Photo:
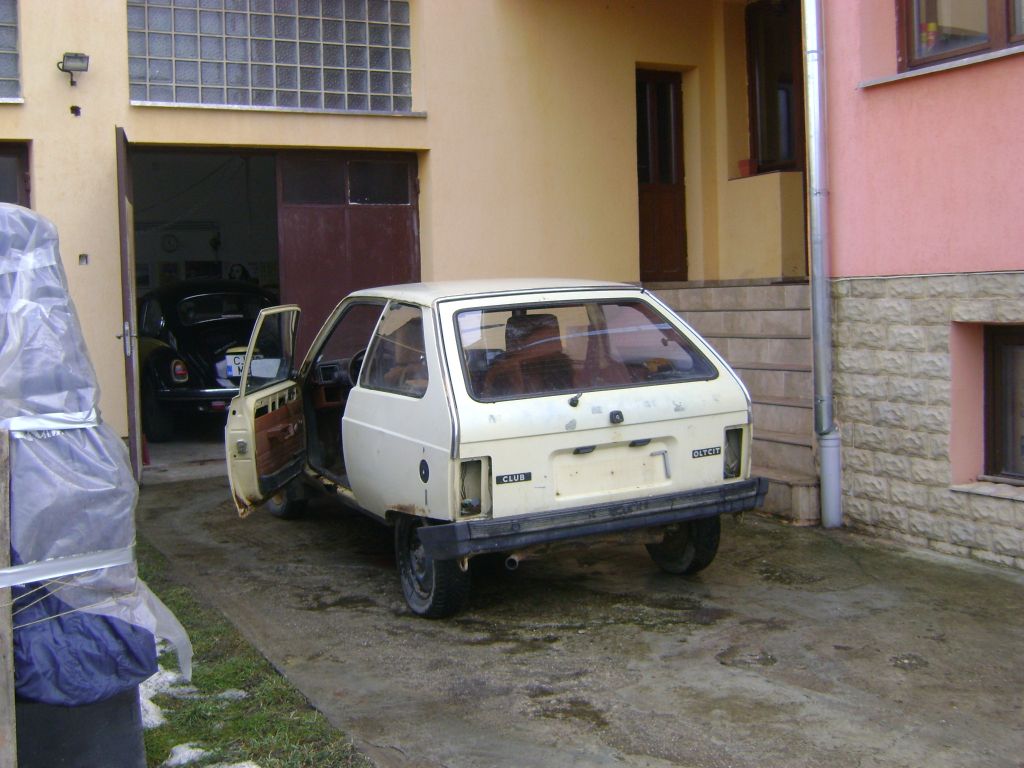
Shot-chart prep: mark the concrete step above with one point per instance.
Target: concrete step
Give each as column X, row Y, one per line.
column 776, row 380
column 783, row 414
column 718, row 296
column 792, row 496
column 750, row 322
column 791, row 350
column 784, row 450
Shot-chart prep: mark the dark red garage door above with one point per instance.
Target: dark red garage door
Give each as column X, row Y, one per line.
column 345, row 221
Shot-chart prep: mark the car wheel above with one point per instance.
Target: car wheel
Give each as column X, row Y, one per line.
column 286, row 504
column 433, row 588
column 689, row 548
column 157, row 421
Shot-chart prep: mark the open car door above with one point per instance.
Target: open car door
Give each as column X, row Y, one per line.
column 265, row 436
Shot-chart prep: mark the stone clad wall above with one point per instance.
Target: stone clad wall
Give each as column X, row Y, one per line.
column 892, row 386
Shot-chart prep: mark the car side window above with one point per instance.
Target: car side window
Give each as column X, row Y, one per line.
column 340, row 354
column 273, row 352
column 397, row 359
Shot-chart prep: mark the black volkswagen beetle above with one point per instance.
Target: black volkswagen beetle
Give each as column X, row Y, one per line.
column 192, row 339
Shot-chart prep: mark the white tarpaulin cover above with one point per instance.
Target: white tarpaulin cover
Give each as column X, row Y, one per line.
column 88, row 636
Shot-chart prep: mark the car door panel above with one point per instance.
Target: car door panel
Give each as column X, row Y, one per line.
column 279, row 437
column 265, row 431
column 398, row 446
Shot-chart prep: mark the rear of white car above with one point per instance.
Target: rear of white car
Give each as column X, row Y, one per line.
column 585, row 412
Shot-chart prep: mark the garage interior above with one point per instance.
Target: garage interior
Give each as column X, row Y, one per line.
column 202, row 215
column 198, row 215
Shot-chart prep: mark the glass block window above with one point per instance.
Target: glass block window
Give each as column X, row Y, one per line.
column 330, row 55
column 10, row 86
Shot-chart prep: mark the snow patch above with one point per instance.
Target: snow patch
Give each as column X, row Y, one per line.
column 183, row 754
column 162, row 681
column 152, row 715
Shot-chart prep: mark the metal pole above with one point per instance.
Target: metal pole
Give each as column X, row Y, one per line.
column 8, row 741
column 829, row 440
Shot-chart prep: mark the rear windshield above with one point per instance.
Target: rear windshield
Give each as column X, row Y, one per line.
column 221, row 306
column 549, row 349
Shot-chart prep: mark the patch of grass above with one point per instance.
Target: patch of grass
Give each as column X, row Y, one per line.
column 273, row 725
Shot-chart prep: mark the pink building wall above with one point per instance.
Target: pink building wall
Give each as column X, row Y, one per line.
column 926, row 173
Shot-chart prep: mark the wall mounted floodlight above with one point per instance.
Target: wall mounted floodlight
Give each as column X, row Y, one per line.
column 73, row 62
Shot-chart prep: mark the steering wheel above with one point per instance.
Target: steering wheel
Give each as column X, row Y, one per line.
column 355, row 364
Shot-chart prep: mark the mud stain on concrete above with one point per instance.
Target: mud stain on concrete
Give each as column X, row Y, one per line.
column 739, row 656
column 909, row 662
column 575, row 709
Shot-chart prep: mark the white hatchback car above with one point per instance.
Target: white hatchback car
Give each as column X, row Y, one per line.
column 497, row 417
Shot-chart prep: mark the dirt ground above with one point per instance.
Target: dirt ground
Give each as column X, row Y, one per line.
column 797, row 647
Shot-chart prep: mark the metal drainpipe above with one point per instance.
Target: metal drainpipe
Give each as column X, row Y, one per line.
column 821, row 302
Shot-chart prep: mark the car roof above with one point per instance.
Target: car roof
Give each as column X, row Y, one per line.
column 175, row 292
column 426, row 294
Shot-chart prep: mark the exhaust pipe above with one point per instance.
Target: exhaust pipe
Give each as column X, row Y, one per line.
column 513, row 559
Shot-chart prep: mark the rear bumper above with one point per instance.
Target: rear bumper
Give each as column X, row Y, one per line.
column 449, row 541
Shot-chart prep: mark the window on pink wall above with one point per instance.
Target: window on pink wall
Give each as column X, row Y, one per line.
column 933, row 31
column 1004, row 403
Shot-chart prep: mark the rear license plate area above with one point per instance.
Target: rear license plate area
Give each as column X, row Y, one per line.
column 608, row 469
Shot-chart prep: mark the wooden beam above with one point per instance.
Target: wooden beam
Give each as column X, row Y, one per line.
column 8, row 741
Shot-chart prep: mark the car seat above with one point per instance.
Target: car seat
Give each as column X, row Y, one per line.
column 533, row 361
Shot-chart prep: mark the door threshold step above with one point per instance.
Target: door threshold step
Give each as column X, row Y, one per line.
column 758, row 336
column 754, row 365
column 789, row 438
column 787, row 476
column 788, row 402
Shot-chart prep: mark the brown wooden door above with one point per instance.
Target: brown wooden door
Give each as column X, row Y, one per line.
column 129, row 332
column 345, row 221
column 659, row 152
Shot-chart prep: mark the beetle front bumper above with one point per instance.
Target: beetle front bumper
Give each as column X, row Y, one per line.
column 449, row 541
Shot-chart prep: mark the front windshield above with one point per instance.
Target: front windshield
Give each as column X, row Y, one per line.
column 573, row 347
column 221, row 306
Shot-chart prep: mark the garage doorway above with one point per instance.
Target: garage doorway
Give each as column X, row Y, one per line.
column 309, row 227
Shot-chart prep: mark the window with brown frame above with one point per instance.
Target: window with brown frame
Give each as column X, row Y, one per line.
column 14, row 173
column 933, row 31
column 775, row 85
column 1004, row 403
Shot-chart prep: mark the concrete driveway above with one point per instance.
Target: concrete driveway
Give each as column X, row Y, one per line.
column 797, row 647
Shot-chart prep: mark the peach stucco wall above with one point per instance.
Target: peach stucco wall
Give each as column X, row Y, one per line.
column 525, row 127
column 925, row 172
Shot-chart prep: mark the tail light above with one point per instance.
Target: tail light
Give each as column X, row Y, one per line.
column 474, row 488
column 732, row 460
column 179, row 371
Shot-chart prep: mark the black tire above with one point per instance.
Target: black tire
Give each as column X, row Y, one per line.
column 157, row 421
column 433, row 589
column 286, row 504
column 689, row 548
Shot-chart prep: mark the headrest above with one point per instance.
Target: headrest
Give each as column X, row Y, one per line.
column 534, row 331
